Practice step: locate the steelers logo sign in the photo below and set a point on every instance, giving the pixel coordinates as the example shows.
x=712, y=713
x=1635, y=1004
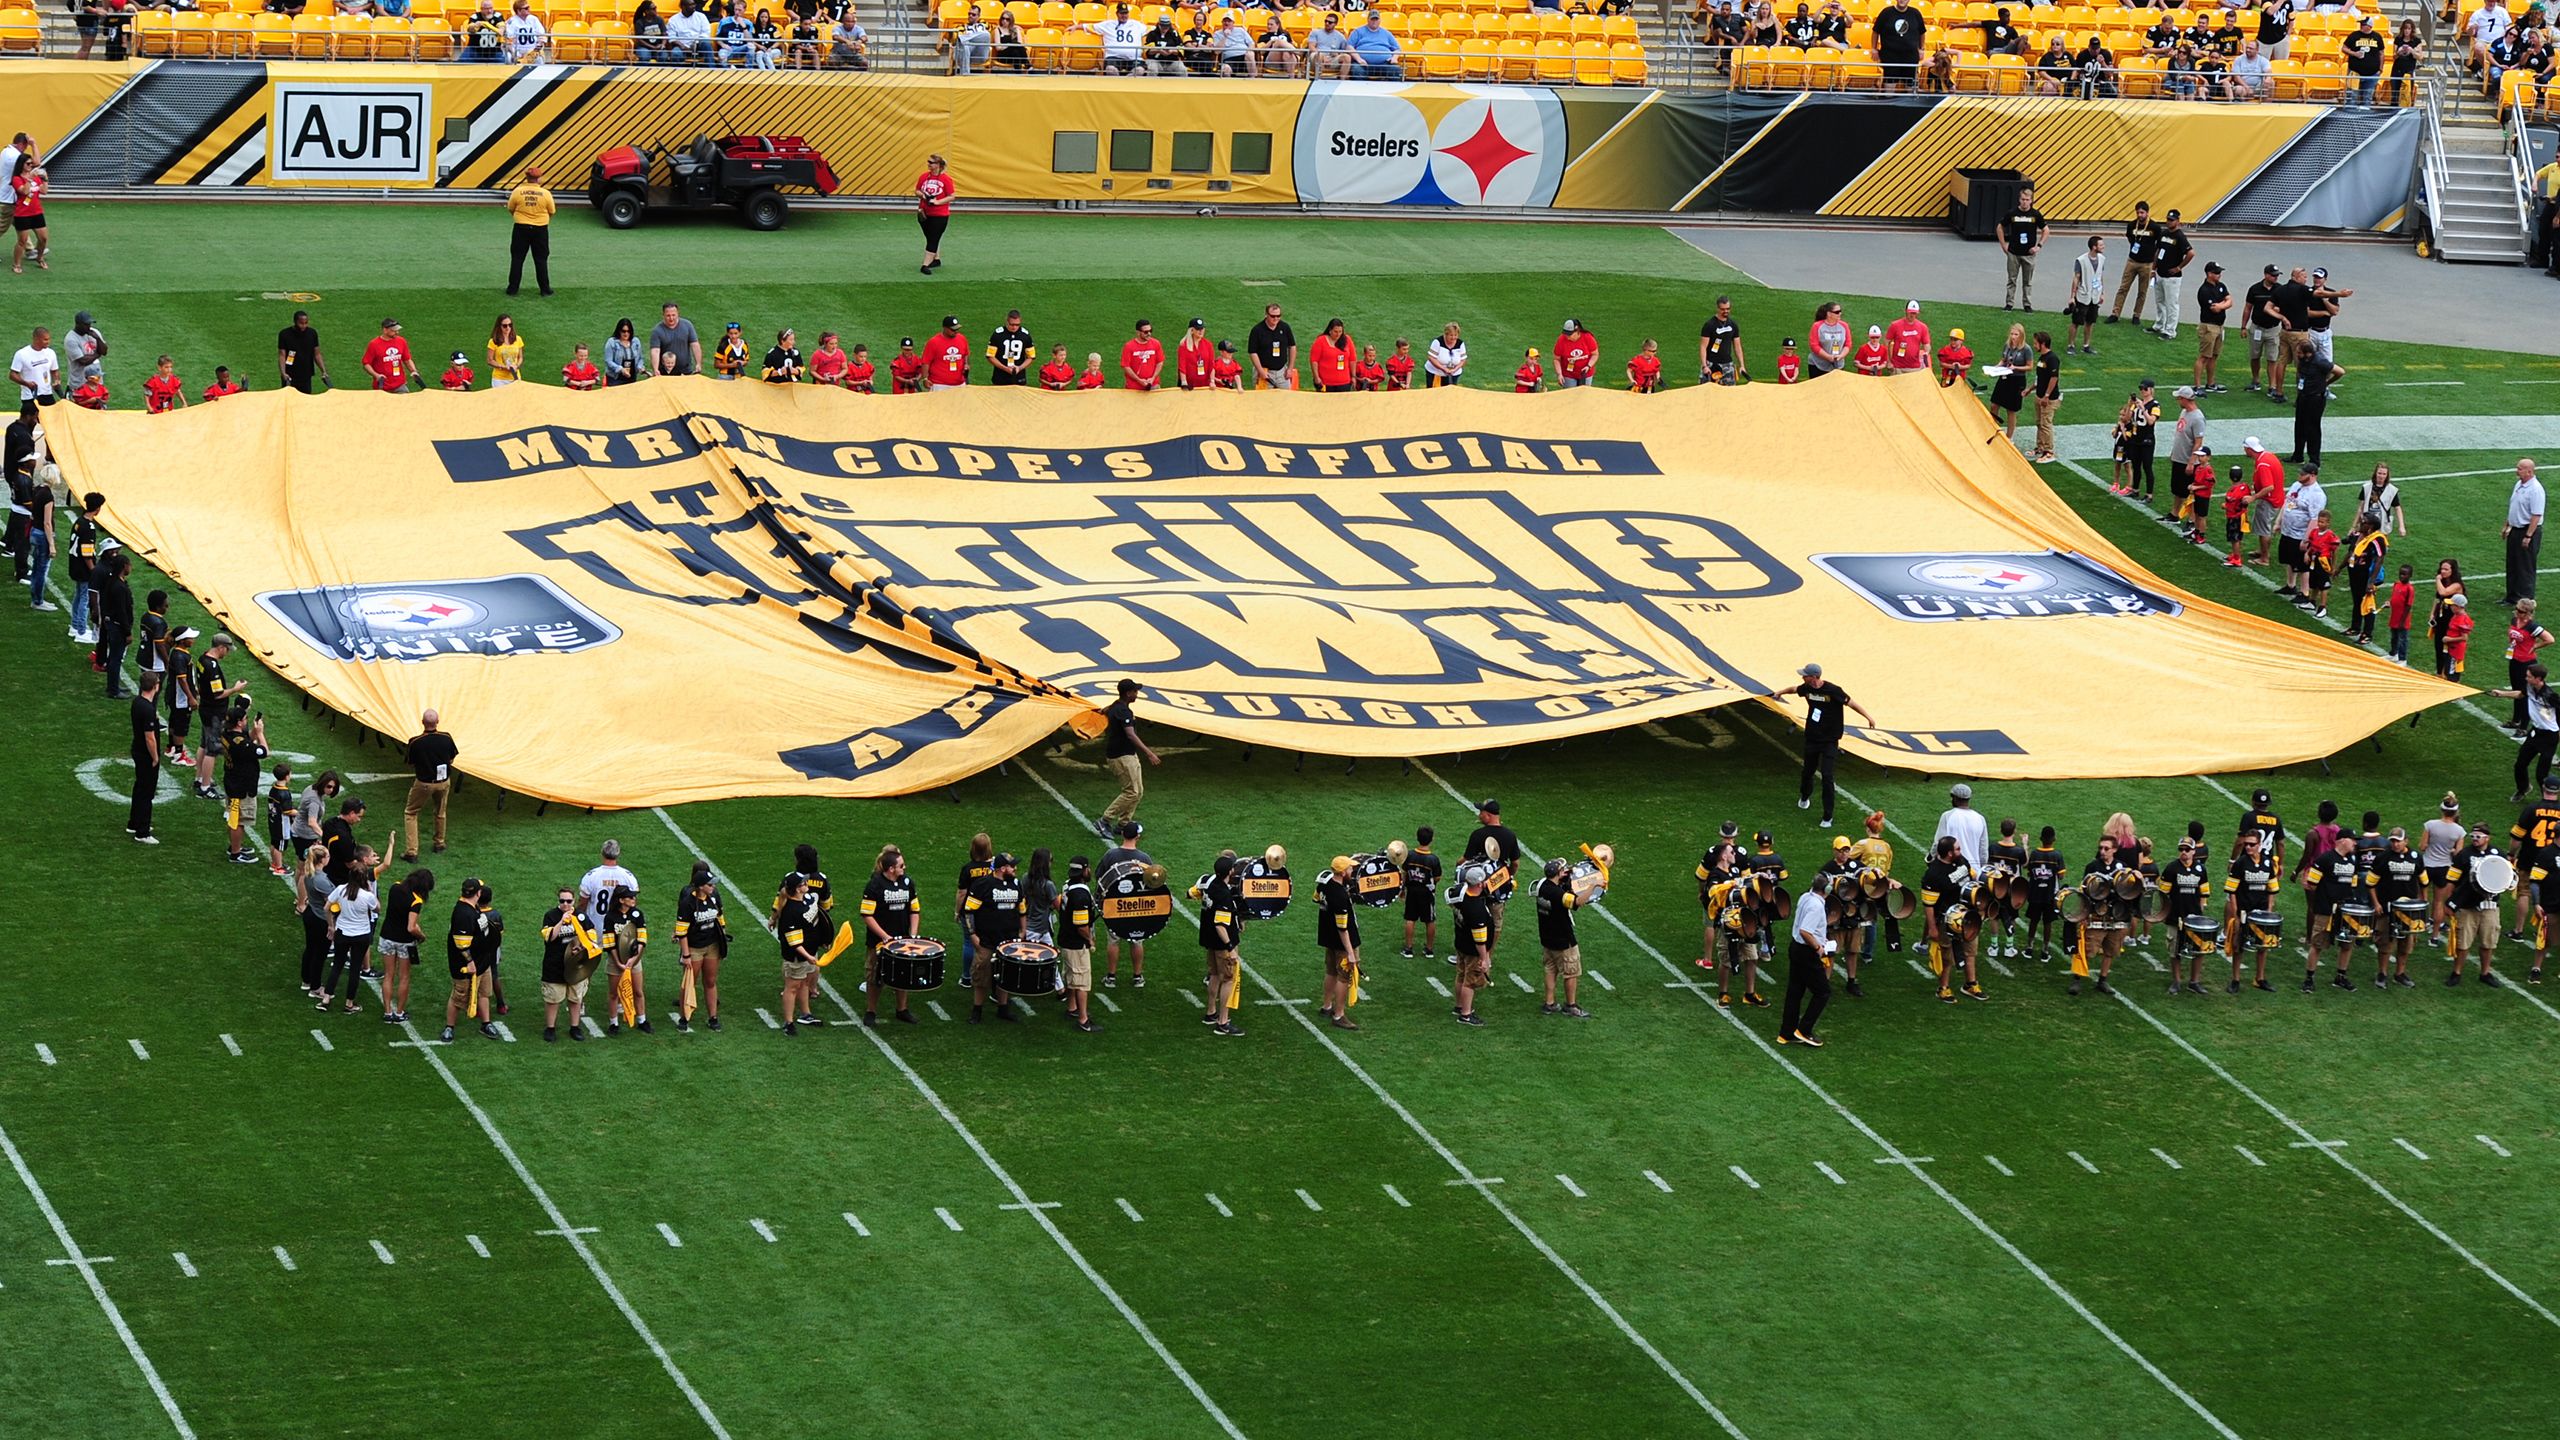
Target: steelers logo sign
x=1361, y=143
x=410, y=611
x=1983, y=577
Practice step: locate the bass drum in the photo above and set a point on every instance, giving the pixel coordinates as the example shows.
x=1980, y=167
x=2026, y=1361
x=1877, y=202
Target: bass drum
x=1377, y=881
x=1262, y=889
x=911, y=963
x=1136, y=903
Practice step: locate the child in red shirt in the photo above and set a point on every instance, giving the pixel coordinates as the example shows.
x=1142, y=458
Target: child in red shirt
x=2235, y=516
x=906, y=368
x=1531, y=377
x=2199, y=497
x=1644, y=368
x=457, y=376
x=1057, y=374
x=2457, y=635
x=1790, y=363
x=858, y=372
x=222, y=384
x=164, y=391
x=1955, y=361
x=1091, y=379
x=581, y=373
x=1872, y=358
x=92, y=394
x=2320, y=548
x=2403, y=596
x=1400, y=365
x=1373, y=375
x=828, y=362
x=1226, y=374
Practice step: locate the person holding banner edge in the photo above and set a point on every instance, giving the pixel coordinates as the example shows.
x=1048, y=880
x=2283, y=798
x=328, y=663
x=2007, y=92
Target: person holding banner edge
x=1824, y=722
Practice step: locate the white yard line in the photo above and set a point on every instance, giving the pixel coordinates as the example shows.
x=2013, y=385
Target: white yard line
x=860, y=1232
x=1466, y=1176
x=2082, y=1161
x=2405, y=1145
x=230, y=1044
x=382, y=1253
x=1397, y=1196
x=763, y=1230
x=1570, y=1188
x=1744, y=1176
x=2167, y=1159
x=1310, y=1201
x=186, y=1266
x=1658, y=1182
x=1221, y=1207
x=1994, y=1162
x=322, y=1036
x=950, y=1221
x=1891, y=1151
x=285, y=1259
x=2501, y=1151
x=477, y=1248
x=1601, y=980
x=1829, y=1174
x=45, y=1053
x=1128, y=1209
x=88, y=1267
x=2250, y=1155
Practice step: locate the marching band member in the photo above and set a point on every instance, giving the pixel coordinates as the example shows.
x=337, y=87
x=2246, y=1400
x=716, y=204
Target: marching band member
x=1076, y=910
x=1124, y=849
x=1717, y=867
x=1338, y=934
x=888, y=913
x=2188, y=886
x=995, y=916
x=626, y=939
x=1475, y=931
x=2536, y=834
x=2103, y=926
x=2042, y=874
x=1495, y=846
x=1942, y=886
x=2009, y=856
x=2147, y=866
x=2335, y=879
x=1765, y=860
x=2398, y=875
x=981, y=862
x=702, y=942
x=568, y=959
x=1221, y=930
x=1563, y=950
x=799, y=926
x=466, y=934
x=2251, y=882
x=2474, y=909
x=1873, y=852
x=1422, y=894
x=2270, y=830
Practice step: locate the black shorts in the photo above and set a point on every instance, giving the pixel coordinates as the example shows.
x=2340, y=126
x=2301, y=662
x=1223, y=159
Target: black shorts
x=27, y=222
x=1421, y=907
x=2231, y=528
x=2436, y=874
x=2084, y=314
x=2289, y=552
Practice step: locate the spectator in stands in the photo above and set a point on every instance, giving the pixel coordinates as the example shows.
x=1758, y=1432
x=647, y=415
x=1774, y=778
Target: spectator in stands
x=2226, y=37
x=2095, y=79
x=1199, y=45
x=736, y=35
x=1275, y=53
x=527, y=43
x=648, y=34
x=1013, y=52
x=1763, y=30
x=2161, y=40
x=1231, y=48
x=1329, y=50
x=2363, y=50
x=1938, y=72
x=1999, y=37
x=1900, y=34
x=2213, y=76
x=969, y=47
x=803, y=52
x=768, y=40
x=2252, y=78
x=1162, y=48
x=2180, y=81
x=355, y=9
x=2407, y=49
x=1802, y=30
x=2487, y=25
x=1835, y=26
x=1726, y=29
x=1376, y=46
x=2053, y=67
x=1121, y=39
x=851, y=47
x=2275, y=29
x=689, y=34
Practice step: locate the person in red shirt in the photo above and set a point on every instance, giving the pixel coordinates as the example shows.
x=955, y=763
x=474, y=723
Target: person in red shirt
x=857, y=371
x=1057, y=374
x=828, y=362
x=1400, y=365
x=386, y=359
x=1955, y=361
x=946, y=356
x=1373, y=375
x=1790, y=363
x=1142, y=359
x=163, y=391
x=1644, y=369
x=2457, y=635
x=2267, y=475
x=581, y=373
x=1091, y=379
x=92, y=394
x=2403, y=596
x=1226, y=374
x=2235, y=516
x=906, y=368
x=1194, y=357
x=1577, y=356
x=2320, y=554
x=457, y=376
x=222, y=384
x=1906, y=341
x=1336, y=359
x=1872, y=358
x=2199, y=494
x=934, y=193
x=1531, y=377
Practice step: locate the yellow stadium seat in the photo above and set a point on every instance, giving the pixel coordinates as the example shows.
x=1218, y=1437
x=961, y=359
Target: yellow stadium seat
x=1149, y=14
x=2143, y=75
x=318, y=37
x=569, y=42
x=1517, y=59
x=270, y=35
x=1553, y=26
x=394, y=39
x=1626, y=62
x=1441, y=60
x=1080, y=50
x=1973, y=75
x=1482, y=56
x=1590, y=62
x=2008, y=75
x=1857, y=72
x=20, y=31
x=153, y=34
x=1582, y=27
x=1484, y=30
x=1042, y=42
x=949, y=14
x=1299, y=24
x=1057, y=14
x=2323, y=79
x=1520, y=27
x=1415, y=26
x=1750, y=64
x=1092, y=12
x=612, y=40
x=1614, y=28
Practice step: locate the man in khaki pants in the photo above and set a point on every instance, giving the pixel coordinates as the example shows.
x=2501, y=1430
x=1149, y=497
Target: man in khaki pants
x=1122, y=750
x=431, y=755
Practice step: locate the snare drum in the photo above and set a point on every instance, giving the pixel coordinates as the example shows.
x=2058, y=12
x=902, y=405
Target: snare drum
x=1025, y=967
x=1135, y=901
x=1376, y=880
x=2262, y=929
x=2410, y=917
x=910, y=963
x=1588, y=882
x=2199, y=933
x=2355, y=923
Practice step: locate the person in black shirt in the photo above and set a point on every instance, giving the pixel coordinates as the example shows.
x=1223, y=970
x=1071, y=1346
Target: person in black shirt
x=800, y=925
x=2021, y=233
x=980, y=864
x=1720, y=358
x=1472, y=934
x=2047, y=392
x=2311, y=404
x=1012, y=351
x=2266, y=329
x=1999, y=37
x=2291, y=304
x=626, y=944
x=1274, y=347
x=146, y=758
x=1422, y=894
x=214, y=693
x=1825, y=719
x=1338, y=936
x=994, y=910
x=1493, y=844
x=467, y=958
x=115, y=620
x=404, y=928
x=2188, y=886
x=1943, y=883
x=2400, y=874
x=2141, y=251
x=1074, y=933
x=566, y=964
x=1556, y=938
x=2251, y=883
x=1221, y=929
x=889, y=912
x=1122, y=751
x=702, y=942
x=1124, y=848
x=298, y=357
x=2275, y=29
x=2363, y=48
x=338, y=838
x=783, y=364
x=1900, y=32
x=2336, y=879
x=2213, y=312
x=2042, y=875
x=1802, y=30
x=430, y=754
x=2173, y=250
x=244, y=744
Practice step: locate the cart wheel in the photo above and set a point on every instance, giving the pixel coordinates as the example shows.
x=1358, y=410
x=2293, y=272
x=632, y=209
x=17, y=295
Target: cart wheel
x=764, y=210
x=622, y=210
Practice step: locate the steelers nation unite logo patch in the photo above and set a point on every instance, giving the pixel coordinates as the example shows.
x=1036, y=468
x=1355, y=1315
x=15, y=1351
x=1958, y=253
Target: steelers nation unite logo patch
x=428, y=620
x=1991, y=586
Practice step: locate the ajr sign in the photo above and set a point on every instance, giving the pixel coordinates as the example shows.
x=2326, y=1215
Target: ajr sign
x=351, y=133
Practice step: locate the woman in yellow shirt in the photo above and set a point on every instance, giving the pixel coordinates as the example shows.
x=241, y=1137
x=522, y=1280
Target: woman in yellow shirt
x=506, y=353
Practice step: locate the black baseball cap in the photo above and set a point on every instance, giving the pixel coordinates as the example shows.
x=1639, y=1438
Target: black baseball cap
x=1490, y=807
x=2270, y=270
x=950, y=322
x=2213, y=267
x=1004, y=860
x=907, y=340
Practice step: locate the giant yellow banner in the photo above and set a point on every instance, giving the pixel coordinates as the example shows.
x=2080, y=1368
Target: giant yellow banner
x=688, y=589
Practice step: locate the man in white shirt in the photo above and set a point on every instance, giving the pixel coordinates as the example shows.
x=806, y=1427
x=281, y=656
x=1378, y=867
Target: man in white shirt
x=2523, y=530
x=18, y=144
x=2488, y=24
x=1973, y=835
x=2088, y=289
x=1121, y=37
x=2252, y=78
x=34, y=368
x=689, y=34
x=1809, y=951
x=607, y=876
x=526, y=39
x=2302, y=505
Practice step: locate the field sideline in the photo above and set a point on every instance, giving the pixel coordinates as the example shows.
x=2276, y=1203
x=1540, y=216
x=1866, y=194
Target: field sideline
x=2263, y=1215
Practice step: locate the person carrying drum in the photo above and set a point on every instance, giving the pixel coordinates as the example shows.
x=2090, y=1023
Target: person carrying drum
x=1126, y=849
x=2536, y=834
x=1716, y=871
x=1733, y=935
x=2251, y=884
x=1422, y=895
x=1942, y=886
x=2476, y=877
x=1074, y=931
x=2008, y=857
x=2043, y=874
x=2399, y=893
x=981, y=862
x=626, y=940
x=1474, y=933
x=800, y=925
x=2188, y=886
x=1873, y=852
x=702, y=942
x=888, y=913
x=994, y=915
x=1556, y=938
x=1221, y=929
x=1338, y=935
x=2110, y=911
x=1497, y=848
x=2336, y=880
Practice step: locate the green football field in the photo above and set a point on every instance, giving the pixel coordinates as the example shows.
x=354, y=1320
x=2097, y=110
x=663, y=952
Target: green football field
x=2269, y=1215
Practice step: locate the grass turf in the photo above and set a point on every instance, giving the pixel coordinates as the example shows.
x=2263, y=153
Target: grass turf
x=1790, y=1301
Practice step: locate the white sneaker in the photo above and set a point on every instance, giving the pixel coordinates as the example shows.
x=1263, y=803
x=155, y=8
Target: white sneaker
x=1804, y=804
x=46, y=605
x=81, y=637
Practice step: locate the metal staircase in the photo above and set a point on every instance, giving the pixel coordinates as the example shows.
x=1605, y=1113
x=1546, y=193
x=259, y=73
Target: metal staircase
x=2472, y=181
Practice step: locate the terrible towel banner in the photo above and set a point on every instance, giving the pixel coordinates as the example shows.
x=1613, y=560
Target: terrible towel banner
x=687, y=589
